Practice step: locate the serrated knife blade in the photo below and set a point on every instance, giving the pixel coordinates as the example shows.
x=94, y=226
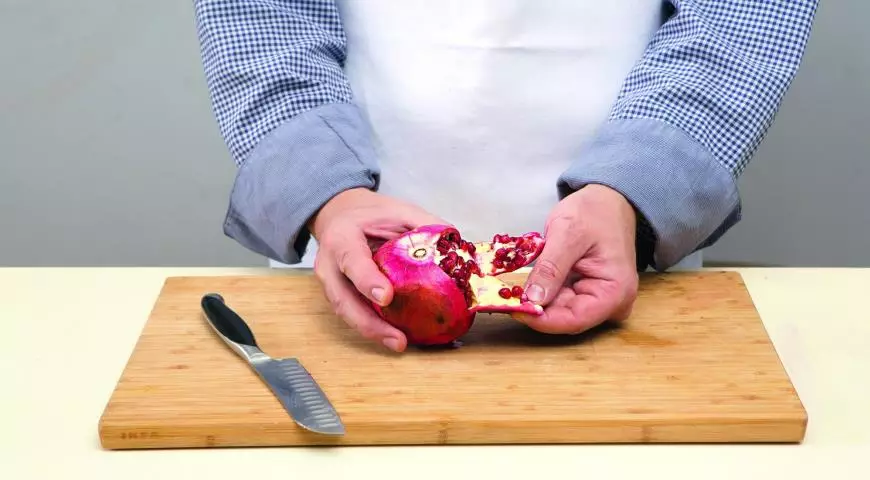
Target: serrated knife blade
x=287, y=378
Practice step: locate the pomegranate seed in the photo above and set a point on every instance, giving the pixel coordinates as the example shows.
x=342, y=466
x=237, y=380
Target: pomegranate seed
x=517, y=290
x=446, y=264
x=504, y=293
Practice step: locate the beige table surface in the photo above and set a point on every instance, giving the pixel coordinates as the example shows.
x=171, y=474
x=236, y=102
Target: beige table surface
x=69, y=332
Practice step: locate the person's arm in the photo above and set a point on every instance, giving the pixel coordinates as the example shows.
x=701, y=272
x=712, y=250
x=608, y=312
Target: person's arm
x=284, y=108
x=690, y=115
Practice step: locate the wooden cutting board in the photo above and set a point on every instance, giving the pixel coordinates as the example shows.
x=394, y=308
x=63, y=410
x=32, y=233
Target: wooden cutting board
x=692, y=364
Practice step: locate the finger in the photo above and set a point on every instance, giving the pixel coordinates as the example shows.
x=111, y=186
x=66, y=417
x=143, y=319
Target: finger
x=623, y=291
x=350, y=305
x=416, y=217
x=354, y=259
x=379, y=234
x=562, y=250
x=391, y=224
x=385, y=230
x=594, y=302
x=562, y=298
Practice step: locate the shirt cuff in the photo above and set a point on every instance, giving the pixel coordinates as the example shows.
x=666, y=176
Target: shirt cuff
x=682, y=194
x=292, y=172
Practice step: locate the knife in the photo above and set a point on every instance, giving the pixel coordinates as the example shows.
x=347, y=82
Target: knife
x=298, y=392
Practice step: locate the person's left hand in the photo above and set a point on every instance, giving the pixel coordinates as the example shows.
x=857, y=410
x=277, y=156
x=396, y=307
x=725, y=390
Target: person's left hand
x=587, y=272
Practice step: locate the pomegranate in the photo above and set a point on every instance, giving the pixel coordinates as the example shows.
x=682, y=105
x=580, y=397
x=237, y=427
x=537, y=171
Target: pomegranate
x=442, y=281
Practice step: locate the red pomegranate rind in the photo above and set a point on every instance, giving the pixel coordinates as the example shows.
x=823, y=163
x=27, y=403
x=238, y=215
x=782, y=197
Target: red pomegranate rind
x=428, y=306
x=426, y=317
x=441, y=281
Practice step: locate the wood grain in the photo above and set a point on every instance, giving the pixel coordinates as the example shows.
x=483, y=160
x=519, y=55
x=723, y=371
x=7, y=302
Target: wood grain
x=692, y=364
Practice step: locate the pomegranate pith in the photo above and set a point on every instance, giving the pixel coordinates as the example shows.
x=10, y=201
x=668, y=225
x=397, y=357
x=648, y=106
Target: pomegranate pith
x=441, y=281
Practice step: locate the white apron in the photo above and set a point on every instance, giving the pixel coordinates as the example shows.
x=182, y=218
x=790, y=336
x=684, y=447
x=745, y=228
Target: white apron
x=477, y=106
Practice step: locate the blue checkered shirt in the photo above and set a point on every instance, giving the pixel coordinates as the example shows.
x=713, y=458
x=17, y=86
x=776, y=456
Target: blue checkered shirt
x=688, y=118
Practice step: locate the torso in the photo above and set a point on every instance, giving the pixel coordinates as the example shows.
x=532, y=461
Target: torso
x=477, y=106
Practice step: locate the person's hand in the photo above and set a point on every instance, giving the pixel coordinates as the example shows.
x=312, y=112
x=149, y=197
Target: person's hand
x=587, y=272
x=347, y=229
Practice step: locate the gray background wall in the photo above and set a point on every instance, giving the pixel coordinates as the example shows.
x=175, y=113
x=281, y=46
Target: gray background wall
x=113, y=91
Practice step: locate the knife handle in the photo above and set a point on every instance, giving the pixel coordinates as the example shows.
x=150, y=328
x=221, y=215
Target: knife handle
x=227, y=322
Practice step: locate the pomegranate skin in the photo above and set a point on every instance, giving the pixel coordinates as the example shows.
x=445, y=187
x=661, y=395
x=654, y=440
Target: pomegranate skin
x=441, y=281
x=426, y=317
x=428, y=306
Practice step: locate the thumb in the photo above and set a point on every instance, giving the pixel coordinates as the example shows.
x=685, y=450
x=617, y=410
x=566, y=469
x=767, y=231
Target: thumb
x=553, y=265
x=354, y=260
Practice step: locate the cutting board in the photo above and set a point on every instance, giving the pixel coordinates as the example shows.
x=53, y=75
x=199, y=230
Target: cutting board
x=692, y=364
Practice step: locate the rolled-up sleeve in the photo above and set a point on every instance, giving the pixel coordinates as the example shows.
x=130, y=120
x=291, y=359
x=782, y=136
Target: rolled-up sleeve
x=691, y=114
x=274, y=70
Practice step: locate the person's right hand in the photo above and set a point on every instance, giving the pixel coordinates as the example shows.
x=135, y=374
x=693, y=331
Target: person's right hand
x=347, y=228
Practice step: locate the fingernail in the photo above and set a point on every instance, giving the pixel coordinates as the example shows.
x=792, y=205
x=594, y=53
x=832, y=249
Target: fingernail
x=378, y=294
x=392, y=343
x=535, y=293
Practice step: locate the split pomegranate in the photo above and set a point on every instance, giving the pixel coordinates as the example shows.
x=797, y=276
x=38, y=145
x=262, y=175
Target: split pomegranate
x=441, y=281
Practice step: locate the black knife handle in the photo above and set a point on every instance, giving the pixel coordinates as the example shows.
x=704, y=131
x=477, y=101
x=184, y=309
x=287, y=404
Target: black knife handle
x=226, y=321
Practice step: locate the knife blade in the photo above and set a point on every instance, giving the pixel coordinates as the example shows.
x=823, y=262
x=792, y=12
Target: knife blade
x=287, y=378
